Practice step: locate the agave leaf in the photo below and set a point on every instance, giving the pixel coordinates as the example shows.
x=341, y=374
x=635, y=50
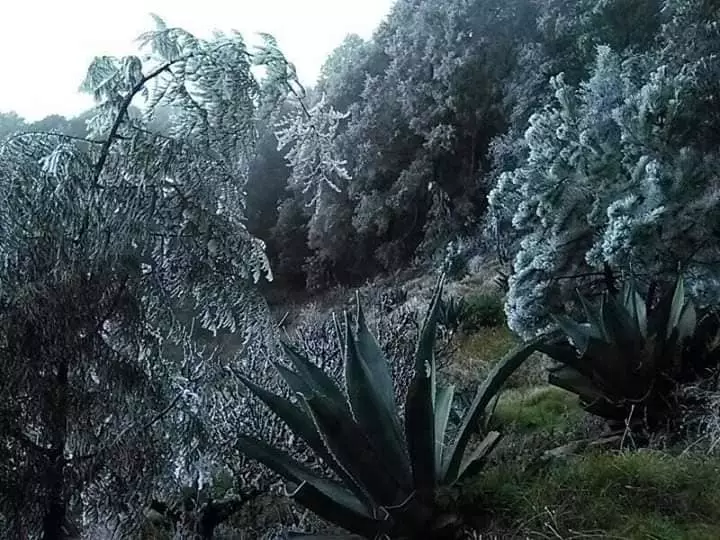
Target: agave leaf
x=592, y=314
x=443, y=405
x=626, y=293
x=329, y=496
x=578, y=334
x=420, y=402
x=296, y=383
x=375, y=362
x=566, y=354
x=368, y=380
x=687, y=322
x=593, y=365
x=492, y=384
x=338, y=333
x=340, y=513
x=314, y=377
x=357, y=452
x=636, y=307
x=676, y=307
x=420, y=432
x=428, y=329
x=608, y=362
x=296, y=419
x=478, y=457
x=619, y=324
x=301, y=422
x=570, y=379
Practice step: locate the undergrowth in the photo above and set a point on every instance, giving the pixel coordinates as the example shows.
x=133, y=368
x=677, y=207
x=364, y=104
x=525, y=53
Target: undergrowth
x=646, y=494
x=598, y=493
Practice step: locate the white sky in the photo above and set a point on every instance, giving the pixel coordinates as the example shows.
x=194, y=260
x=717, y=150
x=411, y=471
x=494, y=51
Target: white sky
x=46, y=45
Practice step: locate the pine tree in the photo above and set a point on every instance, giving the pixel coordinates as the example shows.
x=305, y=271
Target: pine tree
x=621, y=171
x=118, y=251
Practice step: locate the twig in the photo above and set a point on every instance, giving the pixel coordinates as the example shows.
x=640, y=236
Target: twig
x=122, y=112
x=626, y=432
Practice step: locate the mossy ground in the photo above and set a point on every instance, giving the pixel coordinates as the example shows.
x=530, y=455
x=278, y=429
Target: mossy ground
x=599, y=493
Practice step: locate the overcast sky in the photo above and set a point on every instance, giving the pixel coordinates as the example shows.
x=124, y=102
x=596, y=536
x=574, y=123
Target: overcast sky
x=46, y=45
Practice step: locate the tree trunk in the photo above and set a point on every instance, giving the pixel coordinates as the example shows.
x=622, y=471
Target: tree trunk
x=201, y=524
x=56, y=504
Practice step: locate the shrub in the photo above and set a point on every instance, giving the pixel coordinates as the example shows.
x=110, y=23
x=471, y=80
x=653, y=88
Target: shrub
x=483, y=310
x=452, y=313
x=388, y=471
x=630, y=356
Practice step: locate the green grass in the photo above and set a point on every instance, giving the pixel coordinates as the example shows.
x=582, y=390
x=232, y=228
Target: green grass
x=488, y=344
x=539, y=408
x=643, y=495
x=478, y=353
x=600, y=494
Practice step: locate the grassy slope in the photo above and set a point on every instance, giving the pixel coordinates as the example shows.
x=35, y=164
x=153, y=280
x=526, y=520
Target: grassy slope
x=593, y=494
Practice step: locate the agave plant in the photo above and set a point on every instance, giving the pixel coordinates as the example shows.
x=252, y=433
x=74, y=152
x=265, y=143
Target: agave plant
x=388, y=463
x=626, y=360
x=452, y=313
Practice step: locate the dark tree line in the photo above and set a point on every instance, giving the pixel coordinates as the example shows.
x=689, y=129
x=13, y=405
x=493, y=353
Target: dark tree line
x=437, y=99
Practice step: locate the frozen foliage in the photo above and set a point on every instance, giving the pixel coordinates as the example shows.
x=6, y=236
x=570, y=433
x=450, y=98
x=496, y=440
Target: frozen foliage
x=309, y=138
x=119, y=254
x=615, y=174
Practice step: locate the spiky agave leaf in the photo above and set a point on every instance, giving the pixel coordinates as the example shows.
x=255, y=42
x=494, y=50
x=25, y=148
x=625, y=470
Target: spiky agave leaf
x=420, y=402
x=301, y=418
x=358, y=453
x=453, y=460
x=635, y=305
x=372, y=399
x=325, y=497
x=362, y=440
x=314, y=378
x=644, y=352
x=443, y=406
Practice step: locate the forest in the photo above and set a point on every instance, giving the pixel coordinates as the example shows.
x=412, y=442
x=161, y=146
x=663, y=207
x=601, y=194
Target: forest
x=465, y=286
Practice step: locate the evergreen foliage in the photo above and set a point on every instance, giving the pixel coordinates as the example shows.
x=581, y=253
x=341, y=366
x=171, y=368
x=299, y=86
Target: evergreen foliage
x=614, y=174
x=118, y=251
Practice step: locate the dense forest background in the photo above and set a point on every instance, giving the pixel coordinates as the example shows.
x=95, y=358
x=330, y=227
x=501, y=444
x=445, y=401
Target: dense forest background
x=560, y=143
x=433, y=115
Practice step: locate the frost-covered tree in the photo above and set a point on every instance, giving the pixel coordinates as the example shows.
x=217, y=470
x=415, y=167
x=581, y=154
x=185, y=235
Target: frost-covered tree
x=319, y=177
x=308, y=138
x=561, y=37
x=117, y=252
x=616, y=174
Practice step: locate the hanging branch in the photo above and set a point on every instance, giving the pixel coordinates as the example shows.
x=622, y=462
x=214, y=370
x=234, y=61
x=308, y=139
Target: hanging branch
x=124, y=106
